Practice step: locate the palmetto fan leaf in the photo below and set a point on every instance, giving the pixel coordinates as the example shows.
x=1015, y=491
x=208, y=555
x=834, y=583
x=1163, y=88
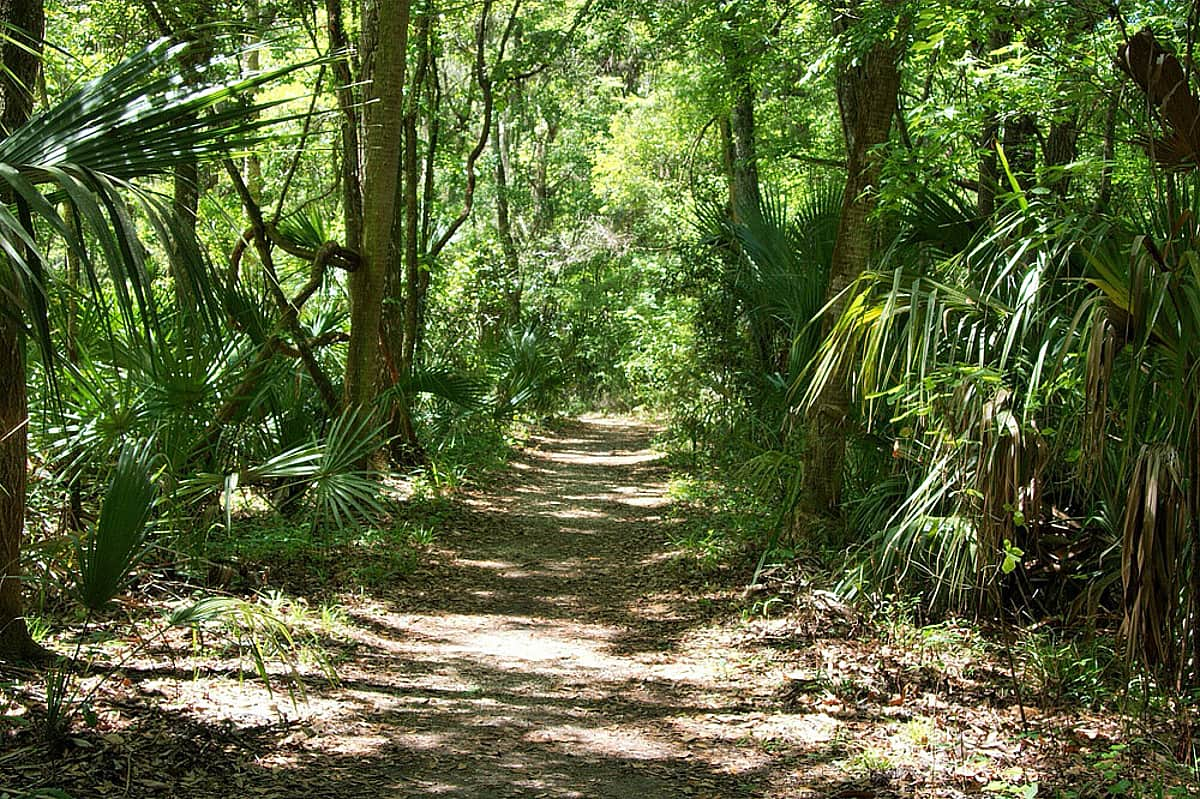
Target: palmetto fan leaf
x=306, y=227
x=113, y=547
x=528, y=371
x=461, y=389
x=777, y=270
x=345, y=494
x=145, y=114
x=140, y=118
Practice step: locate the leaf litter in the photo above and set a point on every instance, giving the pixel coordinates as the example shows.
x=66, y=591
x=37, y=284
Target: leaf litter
x=552, y=645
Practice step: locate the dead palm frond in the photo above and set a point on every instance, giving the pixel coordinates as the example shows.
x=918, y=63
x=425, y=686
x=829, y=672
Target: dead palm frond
x=1156, y=530
x=959, y=358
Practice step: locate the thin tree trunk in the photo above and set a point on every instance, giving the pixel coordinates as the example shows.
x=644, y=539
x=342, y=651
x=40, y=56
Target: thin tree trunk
x=1061, y=149
x=384, y=147
x=21, y=61
x=412, y=204
x=1104, y=196
x=989, y=169
x=744, y=191
x=541, y=182
x=185, y=202
x=352, y=201
x=412, y=256
x=73, y=513
x=253, y=164
x=1020, y=148
x=433, y=101
x=989, y=136
x=185, y=199
x=511, y=279
x=867, y=93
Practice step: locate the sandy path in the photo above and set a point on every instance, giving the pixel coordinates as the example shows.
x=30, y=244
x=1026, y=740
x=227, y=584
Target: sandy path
x=547, y=648
x=544, y=653
x=540, y=659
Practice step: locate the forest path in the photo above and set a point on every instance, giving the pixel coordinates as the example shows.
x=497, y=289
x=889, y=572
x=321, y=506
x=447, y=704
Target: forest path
x=551, y=644
x=548, y=645
x=541, y=656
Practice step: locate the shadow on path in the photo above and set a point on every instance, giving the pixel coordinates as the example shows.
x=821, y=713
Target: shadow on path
x=542, y=655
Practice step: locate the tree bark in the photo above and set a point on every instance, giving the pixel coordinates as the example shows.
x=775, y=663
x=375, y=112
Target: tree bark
x=398, y=324
x=867, y=92
x=744, y=193
x=384, y=147
x=989, y=136
x=511, y=279
x=21, y=61
x=407, y=437
x=1061, y=149
x=1104, y=195
x=989, y=169
x=740, y=155
x=185, y=203
x=541, y=181
x=1020, y=148
x=352, y=211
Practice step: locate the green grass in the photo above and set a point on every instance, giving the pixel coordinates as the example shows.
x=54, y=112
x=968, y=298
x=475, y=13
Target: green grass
x=714, y=525
x=276, y=551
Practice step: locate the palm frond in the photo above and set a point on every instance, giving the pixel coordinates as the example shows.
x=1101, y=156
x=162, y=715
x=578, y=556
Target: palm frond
x=528, y=371
x=114, y=545
x=140, y=118
x=345, y=493
x=146, y=115
x=306, y=227
x=463, y=390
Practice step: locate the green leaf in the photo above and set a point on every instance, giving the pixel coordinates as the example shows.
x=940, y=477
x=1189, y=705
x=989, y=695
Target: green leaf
x=114, y=545
x=1012, y=557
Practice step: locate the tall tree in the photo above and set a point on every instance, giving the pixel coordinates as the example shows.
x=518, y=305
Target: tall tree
x=737, y=128
x=868, y=85
x=384, y=146
x=24, y=22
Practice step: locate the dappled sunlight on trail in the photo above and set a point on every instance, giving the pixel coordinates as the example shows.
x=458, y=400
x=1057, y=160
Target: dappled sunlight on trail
x=538, y=654
x=519, y=659
x=549, y=647
x=551, y=643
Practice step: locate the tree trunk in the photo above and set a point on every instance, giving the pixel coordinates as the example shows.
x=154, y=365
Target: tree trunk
x=989, y=136
x=398, y=330
x=867, y=93
x=412, y=258
x=989, y=169
x=744, y=193
x=15, y=643
x=384, y=146
x=21, y=61
x=511, y=279
x=253, y=164
x=1104, y=195
x=1020, y=148
x=541, y=185
x=1061, y=149
x=185, y=199
x=185, y=202
x=352, y=211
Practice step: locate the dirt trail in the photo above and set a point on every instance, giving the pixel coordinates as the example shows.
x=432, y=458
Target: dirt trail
x=547, y=651
x=550, y=646
x=539, y=660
